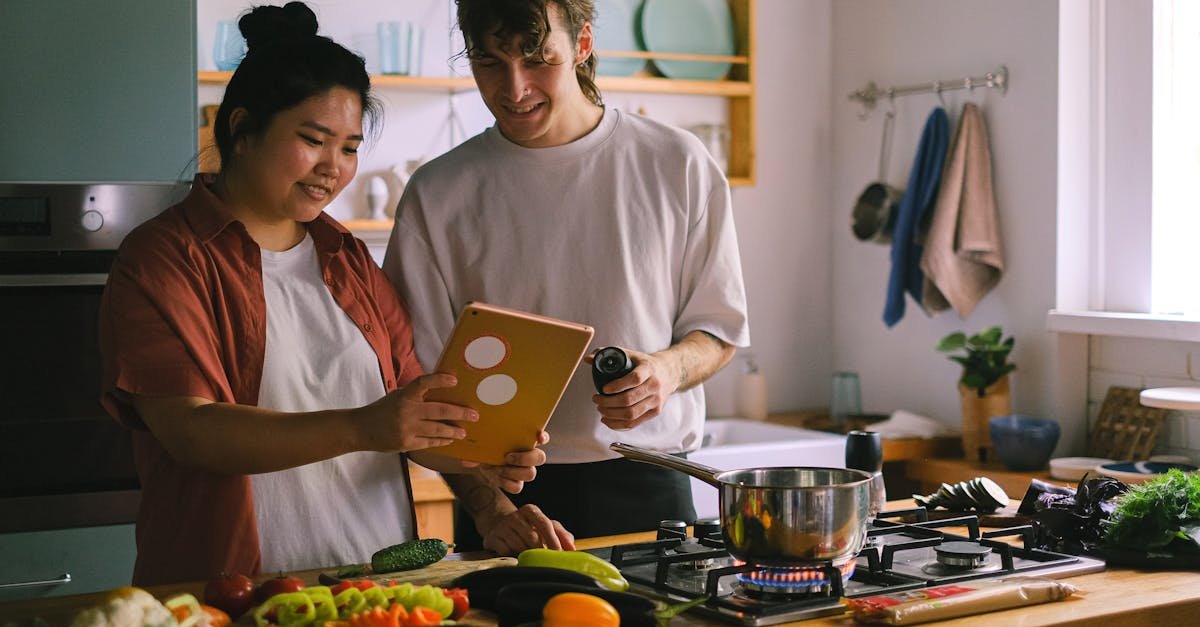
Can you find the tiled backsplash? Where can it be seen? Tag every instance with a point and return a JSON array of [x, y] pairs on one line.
[[1138, 363]]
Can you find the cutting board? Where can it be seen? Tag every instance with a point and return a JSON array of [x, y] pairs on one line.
[[437, 574]]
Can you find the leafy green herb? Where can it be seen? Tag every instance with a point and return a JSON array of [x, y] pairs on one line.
[[986, 359], [1157, 513]]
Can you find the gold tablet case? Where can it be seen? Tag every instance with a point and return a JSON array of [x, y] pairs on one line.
[[537, 357]]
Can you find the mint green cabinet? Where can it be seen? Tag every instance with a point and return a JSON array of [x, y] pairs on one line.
[[96, 558]]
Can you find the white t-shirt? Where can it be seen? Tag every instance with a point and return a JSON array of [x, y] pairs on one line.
[[341, 510], [628, 229]]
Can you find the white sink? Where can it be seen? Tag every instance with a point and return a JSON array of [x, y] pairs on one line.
[[737, 443]]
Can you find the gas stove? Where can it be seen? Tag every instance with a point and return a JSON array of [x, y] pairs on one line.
[[897, 556]]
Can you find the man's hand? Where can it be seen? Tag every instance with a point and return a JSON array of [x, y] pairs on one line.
[[520, 466], [523, 528], [640, 395]]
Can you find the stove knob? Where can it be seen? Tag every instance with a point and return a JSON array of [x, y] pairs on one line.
[[91, 220], [706, 528], [672, 530]]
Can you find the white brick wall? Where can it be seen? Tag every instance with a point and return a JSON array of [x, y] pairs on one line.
[[1138, 363]]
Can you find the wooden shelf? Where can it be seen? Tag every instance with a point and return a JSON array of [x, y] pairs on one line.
[[367, 225], [737, 89], [628, 84]]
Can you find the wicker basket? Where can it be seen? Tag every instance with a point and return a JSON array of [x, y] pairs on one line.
[[1125, 429]]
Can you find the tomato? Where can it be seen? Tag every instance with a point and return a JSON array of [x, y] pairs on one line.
[[422, 617], [461, 601], [231, 593], [340, 587], [277, 585]]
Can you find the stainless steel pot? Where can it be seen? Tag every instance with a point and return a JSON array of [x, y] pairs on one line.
[[789, 516]]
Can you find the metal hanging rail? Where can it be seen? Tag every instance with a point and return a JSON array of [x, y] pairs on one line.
[[870, 94]]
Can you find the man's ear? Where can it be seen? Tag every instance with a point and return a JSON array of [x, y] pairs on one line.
[[585, 44]]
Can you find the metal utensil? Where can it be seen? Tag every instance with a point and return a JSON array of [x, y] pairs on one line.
[[875, 212], [787, 516]]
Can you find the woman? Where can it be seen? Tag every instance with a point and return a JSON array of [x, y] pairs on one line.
[[260, 356]]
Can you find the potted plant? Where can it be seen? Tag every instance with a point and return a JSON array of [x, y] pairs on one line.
[[983, 386]]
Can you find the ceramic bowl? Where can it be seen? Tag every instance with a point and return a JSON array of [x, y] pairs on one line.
[[1023, 442], [1139, 472]]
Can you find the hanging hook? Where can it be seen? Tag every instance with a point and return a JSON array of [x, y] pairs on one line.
[[937, 88], [891, 94]]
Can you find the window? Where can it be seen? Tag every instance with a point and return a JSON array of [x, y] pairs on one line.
[[1175, 214], [1129, 152]]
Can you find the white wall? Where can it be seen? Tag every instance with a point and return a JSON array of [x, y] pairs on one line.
[[906, 42], [784, 221]]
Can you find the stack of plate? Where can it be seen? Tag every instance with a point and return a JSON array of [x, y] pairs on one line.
[[672, 26], [689, 27], [1074, 468], [616, 28], [980, 494]]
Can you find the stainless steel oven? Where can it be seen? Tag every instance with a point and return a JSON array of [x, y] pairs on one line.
[[63, 462]]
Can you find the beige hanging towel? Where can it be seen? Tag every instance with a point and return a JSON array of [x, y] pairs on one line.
[[963, 257]]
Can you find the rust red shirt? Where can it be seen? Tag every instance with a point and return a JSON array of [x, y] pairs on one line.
[[183, 314]]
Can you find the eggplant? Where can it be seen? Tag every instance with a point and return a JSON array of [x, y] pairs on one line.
[[483, 585], [521, 603]]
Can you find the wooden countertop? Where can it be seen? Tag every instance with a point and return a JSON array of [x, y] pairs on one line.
[[1116, 597], [933, 472]]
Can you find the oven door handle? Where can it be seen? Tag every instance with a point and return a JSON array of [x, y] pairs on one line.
[[57, 581], [51, 280]]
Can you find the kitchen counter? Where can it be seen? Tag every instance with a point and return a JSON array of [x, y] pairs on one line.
[[1117, 597], [931, 473]]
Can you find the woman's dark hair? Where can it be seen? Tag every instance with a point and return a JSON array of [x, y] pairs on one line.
[[530, 20], [285, 64]]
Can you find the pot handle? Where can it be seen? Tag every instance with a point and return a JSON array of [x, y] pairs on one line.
[[707, 474]]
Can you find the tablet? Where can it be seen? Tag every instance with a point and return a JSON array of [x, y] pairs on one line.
[[512, 368]]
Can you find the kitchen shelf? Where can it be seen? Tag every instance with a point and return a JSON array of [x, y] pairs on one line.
[[628, 84], [367, 225], [738, 89]]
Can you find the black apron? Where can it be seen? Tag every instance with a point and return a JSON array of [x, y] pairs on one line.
[[598, 499]]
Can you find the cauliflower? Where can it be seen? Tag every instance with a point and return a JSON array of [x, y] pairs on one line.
[[126, 607]]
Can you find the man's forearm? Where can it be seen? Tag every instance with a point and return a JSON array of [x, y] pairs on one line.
[[698, 356], [481, 499]]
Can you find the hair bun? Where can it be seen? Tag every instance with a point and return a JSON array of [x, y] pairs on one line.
[[265, 24]]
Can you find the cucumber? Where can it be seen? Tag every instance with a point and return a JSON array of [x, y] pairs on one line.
[[521, 603], [409, 555], [483, 585]]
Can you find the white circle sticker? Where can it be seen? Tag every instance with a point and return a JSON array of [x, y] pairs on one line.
[[497, 389], [485, 352]]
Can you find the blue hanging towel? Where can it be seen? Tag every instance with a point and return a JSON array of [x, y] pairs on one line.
[[906, 275]]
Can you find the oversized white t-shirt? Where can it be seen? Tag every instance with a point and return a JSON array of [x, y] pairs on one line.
[[628, 229], [341, 510]]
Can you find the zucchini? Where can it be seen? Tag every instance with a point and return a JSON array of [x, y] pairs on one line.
[[409, 555], [521, 603], [484, 585]]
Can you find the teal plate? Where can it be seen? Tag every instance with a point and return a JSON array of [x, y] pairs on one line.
[[615, 29], [692, 27]]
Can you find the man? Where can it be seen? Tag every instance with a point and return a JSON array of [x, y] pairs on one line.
[[572, 210]]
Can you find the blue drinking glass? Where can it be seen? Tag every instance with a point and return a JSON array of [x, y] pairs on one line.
[[229, 46]]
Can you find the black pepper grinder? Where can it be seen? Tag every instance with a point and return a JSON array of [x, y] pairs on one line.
[[864, 452]]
